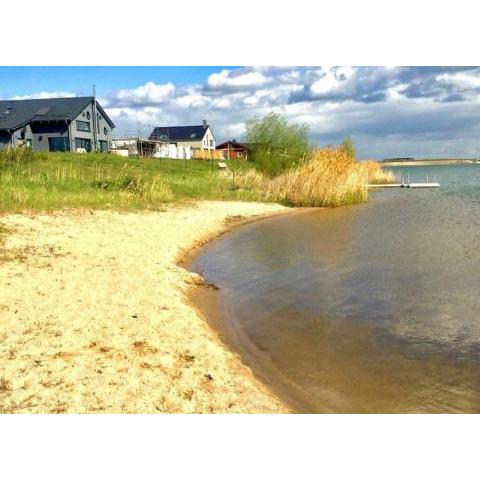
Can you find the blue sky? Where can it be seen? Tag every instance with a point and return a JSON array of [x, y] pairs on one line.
[[27, 80], [388, 111]]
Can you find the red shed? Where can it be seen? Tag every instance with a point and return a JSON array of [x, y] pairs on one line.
[[233, 149]]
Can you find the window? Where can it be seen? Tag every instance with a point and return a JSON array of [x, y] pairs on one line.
[[103, 146], [88, 115], [211, 143], [83, 126], [105, 131], [58, 144], [84, 143]]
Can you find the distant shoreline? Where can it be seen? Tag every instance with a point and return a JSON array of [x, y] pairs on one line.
[[421, 163]]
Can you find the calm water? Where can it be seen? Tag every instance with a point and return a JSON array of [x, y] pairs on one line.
[[370, 308]]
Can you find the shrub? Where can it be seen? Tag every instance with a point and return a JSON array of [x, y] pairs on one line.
[[275, 144]]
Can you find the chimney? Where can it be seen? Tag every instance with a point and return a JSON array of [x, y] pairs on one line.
[[204, 124]]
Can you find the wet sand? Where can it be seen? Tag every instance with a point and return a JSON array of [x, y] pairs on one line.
[[94, 315], [206, 299]]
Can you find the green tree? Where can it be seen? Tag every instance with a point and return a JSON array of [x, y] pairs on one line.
[[348, 147], [275, 144]]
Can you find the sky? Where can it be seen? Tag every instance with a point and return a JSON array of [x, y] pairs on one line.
[[387, 111]]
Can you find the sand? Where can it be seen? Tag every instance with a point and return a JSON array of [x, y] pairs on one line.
[[94, 316]]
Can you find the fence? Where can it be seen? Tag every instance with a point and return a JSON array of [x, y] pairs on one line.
[[173, 151], [208, 154]]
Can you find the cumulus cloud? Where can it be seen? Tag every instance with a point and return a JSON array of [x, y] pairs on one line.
[[148, 94], [45, 95], [389, 111], [232, 79]]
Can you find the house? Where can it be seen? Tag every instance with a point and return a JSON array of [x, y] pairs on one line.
[[197, 137], [233, 149], [55, 124]]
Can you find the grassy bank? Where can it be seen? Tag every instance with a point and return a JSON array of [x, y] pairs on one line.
[[49, 181]]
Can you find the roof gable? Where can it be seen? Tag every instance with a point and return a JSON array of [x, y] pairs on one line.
[[231, 144], [194, 133], [15, 113]]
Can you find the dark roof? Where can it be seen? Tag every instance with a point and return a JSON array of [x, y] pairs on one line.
[[231, 144], [15, 113], [172, 134]]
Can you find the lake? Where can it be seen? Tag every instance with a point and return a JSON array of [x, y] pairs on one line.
[[367, 308]]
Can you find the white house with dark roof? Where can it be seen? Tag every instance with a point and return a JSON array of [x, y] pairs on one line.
[[199, 137], [55, 124]]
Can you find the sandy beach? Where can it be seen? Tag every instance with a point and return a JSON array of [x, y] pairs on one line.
[[94, 316]]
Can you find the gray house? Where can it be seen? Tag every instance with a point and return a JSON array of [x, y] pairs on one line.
[[55, 125]]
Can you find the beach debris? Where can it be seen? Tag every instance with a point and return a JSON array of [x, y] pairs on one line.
[[212, 286], [231, 219], [65, 355], [143, 348], [187, 358], [195, 279], [188, 394], [5, 385]]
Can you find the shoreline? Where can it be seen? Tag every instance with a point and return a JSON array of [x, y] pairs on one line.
[[96, 316], [204, 298], [427, 163]]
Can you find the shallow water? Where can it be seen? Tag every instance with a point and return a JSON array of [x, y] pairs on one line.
[[369, 308]]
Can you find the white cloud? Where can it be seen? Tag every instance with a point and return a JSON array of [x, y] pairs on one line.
[[221, 103], [150, 93], [326, 84], [389, 112], [228, 78], [464, 80], [334, 80], [251, 100], [192, 100], [45, 95]]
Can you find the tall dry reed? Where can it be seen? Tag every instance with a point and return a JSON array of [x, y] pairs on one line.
[[329, 178], [376, 174]]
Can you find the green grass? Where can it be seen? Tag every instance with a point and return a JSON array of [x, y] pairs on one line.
[[51, 181]]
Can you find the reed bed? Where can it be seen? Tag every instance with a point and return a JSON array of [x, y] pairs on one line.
[[376, 174], [329, 178]]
